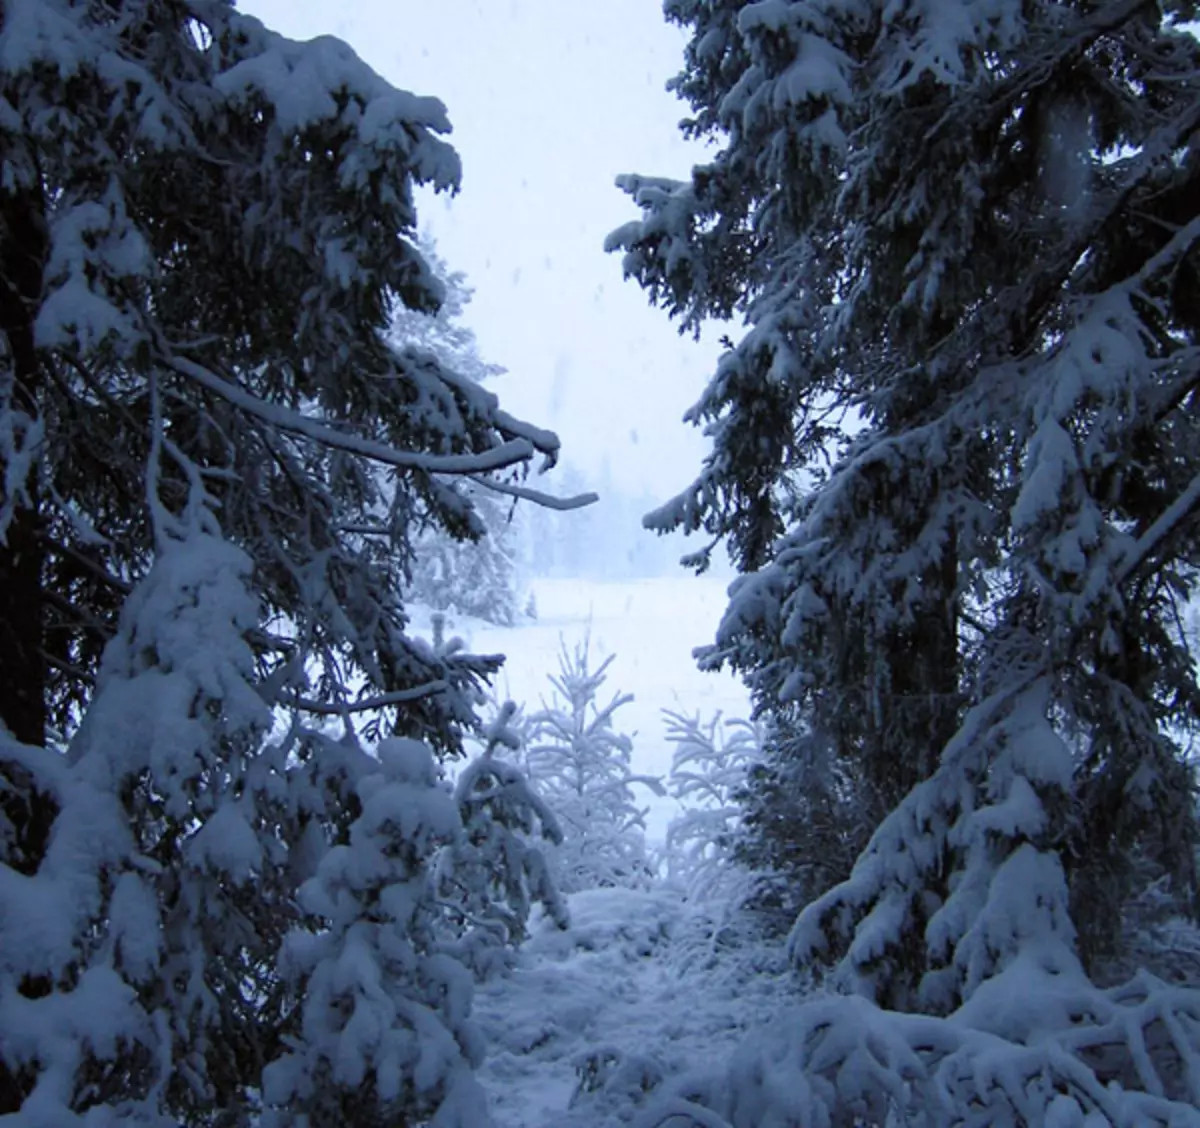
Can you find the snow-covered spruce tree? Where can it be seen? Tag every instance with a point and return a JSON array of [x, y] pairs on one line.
[[956, 453], [709, 770], [804, 817], [489, 878], [156, 901], [475, 574], [384, 1036], [204, 228], [580, 765]]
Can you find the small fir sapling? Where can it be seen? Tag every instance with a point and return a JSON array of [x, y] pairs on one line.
[[709, 768], [580, 764], [490, 877], [384, 1034]]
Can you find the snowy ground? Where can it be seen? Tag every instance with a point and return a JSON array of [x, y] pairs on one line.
[[651, 625], [640, 987], [638, 991]]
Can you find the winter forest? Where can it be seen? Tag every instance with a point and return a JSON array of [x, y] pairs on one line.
[[343, 779]]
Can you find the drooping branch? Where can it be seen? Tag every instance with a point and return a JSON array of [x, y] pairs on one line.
[[366, 704], [498, 458], [545, 500]]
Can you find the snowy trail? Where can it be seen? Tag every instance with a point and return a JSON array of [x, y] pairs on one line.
[[630, 985]]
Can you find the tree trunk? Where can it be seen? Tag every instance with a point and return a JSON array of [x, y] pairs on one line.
[[27, 811], [23, 245]]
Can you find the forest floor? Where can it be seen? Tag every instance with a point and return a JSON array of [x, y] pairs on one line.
[[640, 989]]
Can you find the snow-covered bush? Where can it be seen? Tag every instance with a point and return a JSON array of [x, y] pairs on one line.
[[580, 765], [1042, 1048], [616, 1078], [708, 772], [491, 876], [384, 1035]]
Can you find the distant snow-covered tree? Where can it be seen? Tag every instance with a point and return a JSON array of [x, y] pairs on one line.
[[491, 876], [476, 575], [580, 765], [709, 769]]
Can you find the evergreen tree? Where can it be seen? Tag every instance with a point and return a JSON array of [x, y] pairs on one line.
[[805, 814], [955, 453], [477, 575], [709, 770], [490, 878], [580, 765], [204, 229], [384, 1036], [157, 899]]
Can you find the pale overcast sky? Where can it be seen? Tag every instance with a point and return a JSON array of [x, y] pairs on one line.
[[549, 99]]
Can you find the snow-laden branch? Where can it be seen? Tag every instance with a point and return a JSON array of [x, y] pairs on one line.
[[1177, 512], [365, 704], [498, 458], [545, 500]]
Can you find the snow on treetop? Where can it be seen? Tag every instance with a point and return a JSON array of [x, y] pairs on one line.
[[407, 759], [324, 80]]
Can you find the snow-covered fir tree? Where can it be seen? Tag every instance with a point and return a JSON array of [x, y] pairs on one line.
[[129, 948], [477, 575], [805, 814], [204, 229], [955, 453], [491, 876], [384, 1035], [580, 764], [710, 766]]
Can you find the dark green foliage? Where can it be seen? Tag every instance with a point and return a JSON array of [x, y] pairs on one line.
[[954, 450]]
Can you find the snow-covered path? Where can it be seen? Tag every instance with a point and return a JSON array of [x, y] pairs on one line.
[[638, 989]]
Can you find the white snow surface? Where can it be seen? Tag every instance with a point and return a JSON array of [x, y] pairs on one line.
[[652, 625], [640, 990]]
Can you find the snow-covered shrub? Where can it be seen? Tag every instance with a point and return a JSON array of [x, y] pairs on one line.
[[629, 924], [614, 1077], [1042, 1048], [708, 772], [491, 876], [384, 1035], [580, 765]]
